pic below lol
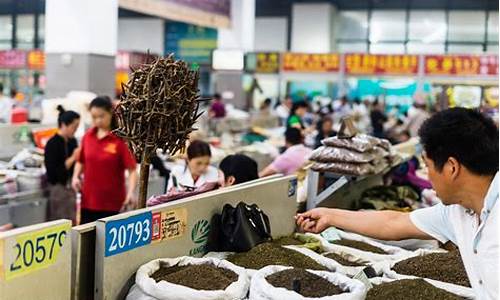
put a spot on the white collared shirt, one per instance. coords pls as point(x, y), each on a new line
point(184, 177)
point(477, 241)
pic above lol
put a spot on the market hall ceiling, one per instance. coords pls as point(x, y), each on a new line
point(283, 7)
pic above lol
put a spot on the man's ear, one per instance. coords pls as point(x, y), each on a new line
point(454, 167)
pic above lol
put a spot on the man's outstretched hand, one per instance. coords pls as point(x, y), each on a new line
point(315, 220)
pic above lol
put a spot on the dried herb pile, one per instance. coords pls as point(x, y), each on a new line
point(359, 245)
point(199, 277)
point(415, 289)
point(306, 283)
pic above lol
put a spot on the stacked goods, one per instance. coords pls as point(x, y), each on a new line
point(415, 289)
point(446, 267)
point(400, 198)
point(355, 156)
point(269, 253)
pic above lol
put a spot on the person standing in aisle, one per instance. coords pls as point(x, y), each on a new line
point(294, 157)
point(297, 113)
point(283, 109)
point(6, 105)
point(61, 153)
point(461, 154)
point(378, 119)
point(103, 160)
point(217, 109)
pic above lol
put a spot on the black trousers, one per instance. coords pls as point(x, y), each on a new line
point(88, 215)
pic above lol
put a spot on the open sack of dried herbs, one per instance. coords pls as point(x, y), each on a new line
point(358, 249)
point(443, 269)
point(188, 278)
point(279, 282)
point(415, 289)
point(272, 253)
point(355, 156)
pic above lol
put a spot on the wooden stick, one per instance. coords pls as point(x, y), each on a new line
point(143, 180)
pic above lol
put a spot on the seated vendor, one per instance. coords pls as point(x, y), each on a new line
point(238, 168)
point(294, 157)
point(197, 171)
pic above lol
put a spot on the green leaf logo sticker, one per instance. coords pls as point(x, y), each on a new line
point(200, 232)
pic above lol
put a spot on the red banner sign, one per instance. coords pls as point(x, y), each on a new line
point(36, 60)
point(377, 64)
point(461, 65)
point(12, 59)
point(301, 62)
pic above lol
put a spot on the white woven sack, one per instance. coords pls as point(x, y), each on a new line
point(146, 288)
point(385, 269)
point(260, 289)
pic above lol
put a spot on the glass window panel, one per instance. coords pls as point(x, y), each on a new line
point(352, 24)
point(428, 26)
point(5, 45)
point(386, 48)
point(493, 49)
point(493, 26)
point(466, 26)
point(25, 32)
point(352, 47)
point(465, 49)
point(41, 27)
point(423, 48)
point(387, 25)
point(5, 28)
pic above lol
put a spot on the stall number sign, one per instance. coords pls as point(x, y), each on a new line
point(127, 234)
point(35, 250)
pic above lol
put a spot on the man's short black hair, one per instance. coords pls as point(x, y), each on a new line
point(217, 96)
point(465, 134)
point(240, 166)
point(293, 136)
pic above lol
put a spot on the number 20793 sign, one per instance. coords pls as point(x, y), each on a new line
point(127, 234)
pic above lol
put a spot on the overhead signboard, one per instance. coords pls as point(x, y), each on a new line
point(36, 60)
point(309, 62)
point(12, 59)
point(381, 64)
point(229, 60)
point(262, 62)
point(188, 42)
point(461, 65)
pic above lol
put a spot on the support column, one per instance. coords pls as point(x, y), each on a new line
point(80, 46)
point(313, 27)
point(239, 37)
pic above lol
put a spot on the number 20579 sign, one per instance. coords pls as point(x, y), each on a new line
point(127, 234)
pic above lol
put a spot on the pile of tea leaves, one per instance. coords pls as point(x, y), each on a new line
point(414, 289)
point(268, 253)
point(198, 277)
point(303, 282)
point(343, 261)
point(359, 245)
point(446, 267)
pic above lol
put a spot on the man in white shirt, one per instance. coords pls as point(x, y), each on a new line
point(6, 105)
point(461, 153)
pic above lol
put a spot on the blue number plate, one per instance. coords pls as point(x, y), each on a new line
point(127, 234)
